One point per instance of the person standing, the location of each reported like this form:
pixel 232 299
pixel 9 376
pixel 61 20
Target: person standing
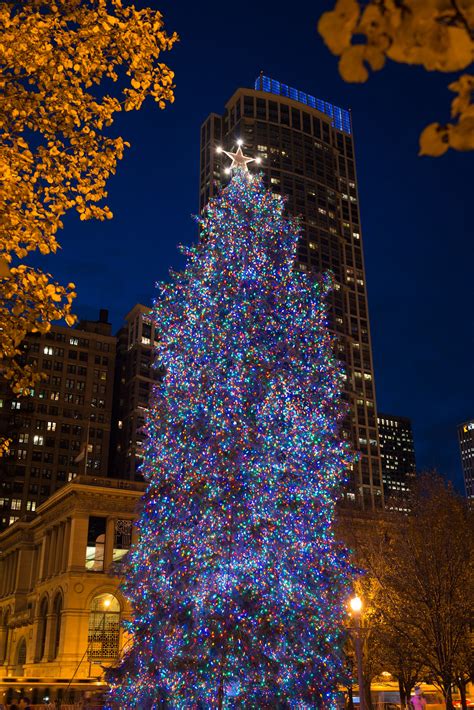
pixel 418 701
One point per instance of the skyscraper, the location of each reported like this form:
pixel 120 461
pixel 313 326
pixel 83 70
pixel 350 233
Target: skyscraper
pixel 397 450
pixel 307 151
pixel 63 428
pixel 134 379
pixel 466 445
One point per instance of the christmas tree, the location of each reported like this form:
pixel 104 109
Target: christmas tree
pixel 237 583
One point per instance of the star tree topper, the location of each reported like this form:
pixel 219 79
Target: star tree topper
pixel 239 160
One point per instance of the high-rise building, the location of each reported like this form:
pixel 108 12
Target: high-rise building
pixel 134 379
pixel 307 151
pixel 466 445
pixel 397 450
pixel 63 428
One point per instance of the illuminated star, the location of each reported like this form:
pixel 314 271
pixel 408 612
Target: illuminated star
pixel 239 160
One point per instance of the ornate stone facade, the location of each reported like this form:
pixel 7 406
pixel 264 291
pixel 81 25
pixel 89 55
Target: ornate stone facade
pixel 61 609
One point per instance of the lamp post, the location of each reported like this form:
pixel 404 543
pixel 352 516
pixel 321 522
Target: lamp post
pixel 356 606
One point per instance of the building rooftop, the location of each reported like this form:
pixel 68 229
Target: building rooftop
pixel 341 117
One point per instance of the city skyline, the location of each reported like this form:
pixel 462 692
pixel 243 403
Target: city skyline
pixel 417 285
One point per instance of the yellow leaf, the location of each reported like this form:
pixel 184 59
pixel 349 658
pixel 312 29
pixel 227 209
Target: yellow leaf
pixel 336 27
pixel 4 268
pixel 351 64
pixel 461 136
pixel 434 140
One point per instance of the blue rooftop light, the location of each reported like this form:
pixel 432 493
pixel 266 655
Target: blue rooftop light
pixel 341 118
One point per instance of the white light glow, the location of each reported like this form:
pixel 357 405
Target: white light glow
pixel 219 149
pixel 258 160
pixel 356 604
pixel 240 141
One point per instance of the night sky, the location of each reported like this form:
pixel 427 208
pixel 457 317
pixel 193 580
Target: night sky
pixel 417 239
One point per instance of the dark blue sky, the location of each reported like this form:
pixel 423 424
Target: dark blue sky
pixel 417 239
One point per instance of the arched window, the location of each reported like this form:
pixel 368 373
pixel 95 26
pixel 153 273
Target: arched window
pixel 21 656
pixel 56 630
pixel 42 626
pixel 104 628
pixel 5 637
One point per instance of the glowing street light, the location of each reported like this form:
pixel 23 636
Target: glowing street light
pixel 356 605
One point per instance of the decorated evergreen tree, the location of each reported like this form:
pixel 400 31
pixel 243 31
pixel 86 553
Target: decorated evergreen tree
pixel 237 583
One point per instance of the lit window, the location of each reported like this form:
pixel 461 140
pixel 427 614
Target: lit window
pixel 23 438
pixel 16 404
pixel 274 181
pixel 38 440
pixel 146 341
pixel 73 341
pixel 31 505
pixel 95 544
pixel 16 504
pixel 104 628
pixel 47 350
pixel 51 426
pixel 122 539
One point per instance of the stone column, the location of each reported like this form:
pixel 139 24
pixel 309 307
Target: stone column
pixel 52 551
pixel 67 542
pixel 78 542
pixel 109 543
pixel 3 642
pixel 49 636
pixel 59 548
pixel 45 556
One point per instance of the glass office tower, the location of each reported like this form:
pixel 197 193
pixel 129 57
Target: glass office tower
pixel 307 151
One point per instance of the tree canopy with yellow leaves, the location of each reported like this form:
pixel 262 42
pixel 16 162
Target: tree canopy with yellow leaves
pixel 436 34
pixel 68 66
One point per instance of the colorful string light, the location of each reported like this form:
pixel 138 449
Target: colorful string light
pixel 237 583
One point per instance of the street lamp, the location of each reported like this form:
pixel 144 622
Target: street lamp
pixel 356 606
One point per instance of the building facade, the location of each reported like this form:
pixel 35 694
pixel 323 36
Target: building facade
pixel 63 428
pixel 397 450
pixel 134 380
pixel 466 446
pixel 307 154
pixel 61 610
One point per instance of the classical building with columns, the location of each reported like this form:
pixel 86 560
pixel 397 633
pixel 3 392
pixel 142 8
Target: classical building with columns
pixel 61 609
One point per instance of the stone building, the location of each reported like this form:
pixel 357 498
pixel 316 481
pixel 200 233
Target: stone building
pixel 61 609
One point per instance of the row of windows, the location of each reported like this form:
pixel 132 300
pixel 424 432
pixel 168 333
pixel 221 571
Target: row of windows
pixel 39 456
pixel 71 339
pixel 74 340
pixel 103 641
